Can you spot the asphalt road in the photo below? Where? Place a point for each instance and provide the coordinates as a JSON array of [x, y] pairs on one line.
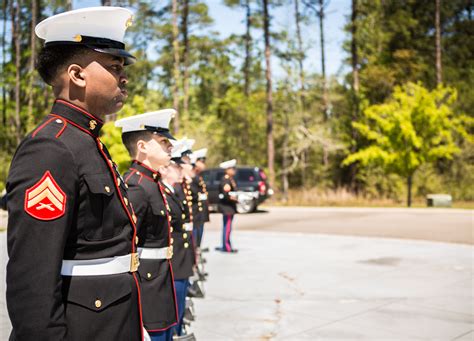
[[297, 282], [444, 225]]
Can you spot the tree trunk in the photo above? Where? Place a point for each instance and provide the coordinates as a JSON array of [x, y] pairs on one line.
[[355, 90], [176, 64], [4, 45], [323, 59], [300, 49], [285, 185], [439, 70], [248, 47], [184, 26], [354, 54], [16, 34], [409, 186], [268, 75], [302, 93], [34, 15]]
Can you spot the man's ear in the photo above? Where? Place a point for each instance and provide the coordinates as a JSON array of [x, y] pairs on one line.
[[142, 147], [77, 75]]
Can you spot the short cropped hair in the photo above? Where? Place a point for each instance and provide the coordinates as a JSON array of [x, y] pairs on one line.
[[52, 59], [131, 138]]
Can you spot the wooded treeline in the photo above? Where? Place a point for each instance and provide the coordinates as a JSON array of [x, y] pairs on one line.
[[399, 118]]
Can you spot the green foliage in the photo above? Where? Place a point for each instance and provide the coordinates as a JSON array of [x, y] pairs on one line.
[[391, 129], [414, 127]]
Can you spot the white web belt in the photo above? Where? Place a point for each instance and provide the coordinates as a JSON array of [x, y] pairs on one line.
[[100, 266], [155, 253]]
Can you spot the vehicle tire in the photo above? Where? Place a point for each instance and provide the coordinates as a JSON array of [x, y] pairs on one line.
[[247, 206]]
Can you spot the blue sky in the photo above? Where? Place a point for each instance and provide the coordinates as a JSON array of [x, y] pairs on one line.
[[228, 21]]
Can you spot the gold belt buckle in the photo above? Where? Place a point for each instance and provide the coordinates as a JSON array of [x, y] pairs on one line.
[[169, 254], [135, 262]]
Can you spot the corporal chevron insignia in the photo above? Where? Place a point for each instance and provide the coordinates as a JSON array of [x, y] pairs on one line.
[[45, 200]]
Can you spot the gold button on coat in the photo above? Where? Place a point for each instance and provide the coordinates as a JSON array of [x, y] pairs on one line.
[[186, 245], [126, 201], [185, 235], [107, 189], [171, 229], [171, 241], [148, 275], [134, 217], [136, 240], [98, 303], [183, 216]]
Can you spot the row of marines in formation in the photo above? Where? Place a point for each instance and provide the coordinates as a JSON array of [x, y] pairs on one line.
[[94, 255]]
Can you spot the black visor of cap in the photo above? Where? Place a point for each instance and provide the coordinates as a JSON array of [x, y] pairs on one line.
[[128, 58], [102, 45], [161, 131], [187, 152]]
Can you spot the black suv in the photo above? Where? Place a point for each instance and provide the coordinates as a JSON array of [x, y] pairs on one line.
[[252, 187]]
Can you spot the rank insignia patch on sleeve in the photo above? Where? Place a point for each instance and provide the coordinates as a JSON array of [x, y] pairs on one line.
[[45, 200]]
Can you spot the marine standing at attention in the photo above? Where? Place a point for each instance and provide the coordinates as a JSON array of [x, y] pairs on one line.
[[147, 139], [72, 264], [227, 203]]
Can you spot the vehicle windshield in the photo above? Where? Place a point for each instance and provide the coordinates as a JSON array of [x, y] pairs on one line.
[[246, 175]]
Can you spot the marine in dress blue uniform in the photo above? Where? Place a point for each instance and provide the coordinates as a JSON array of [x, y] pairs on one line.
[[147, 137], [227, 203], [183, 253], [71, 273], [198, 187]]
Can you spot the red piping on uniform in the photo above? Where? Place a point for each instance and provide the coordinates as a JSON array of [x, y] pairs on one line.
[[141, 174], [41, 127], [134, 236], [145, 166], [128, 177], [74, 124], [119, 194], [227, 232], [160, 187], [79, 109], [162, 329], [194, 249], [139, 306], [174, 293], [62, 129]]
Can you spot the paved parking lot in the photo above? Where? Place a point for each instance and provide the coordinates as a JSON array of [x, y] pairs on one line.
[[299, 275], [295, 286]]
